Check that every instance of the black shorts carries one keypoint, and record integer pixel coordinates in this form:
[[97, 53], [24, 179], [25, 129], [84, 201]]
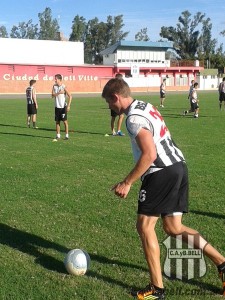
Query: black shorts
[[113, 113], [31, 109], [165, 191], [194, 106], [60, 114], [222, 97], [162, 95]]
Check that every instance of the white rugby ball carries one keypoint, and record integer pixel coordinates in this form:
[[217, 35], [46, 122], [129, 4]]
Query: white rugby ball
[[77, 262]]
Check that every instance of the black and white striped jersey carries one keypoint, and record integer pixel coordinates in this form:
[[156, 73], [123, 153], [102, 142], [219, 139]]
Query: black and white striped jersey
[[29, 95], [145, 115]]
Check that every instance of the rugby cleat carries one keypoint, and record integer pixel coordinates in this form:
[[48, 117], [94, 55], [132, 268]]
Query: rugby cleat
[[149, 293]]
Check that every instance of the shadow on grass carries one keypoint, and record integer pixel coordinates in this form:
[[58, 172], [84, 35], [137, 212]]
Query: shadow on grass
[[17, 126], [192, 287], [46, 129], [10, 125], [33, 245], [30, 243], [181, 116], [87, 132], [24, 134], [104, 260], [209, 214]]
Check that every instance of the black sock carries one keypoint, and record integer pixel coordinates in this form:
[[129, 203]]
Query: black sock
[[221, 267], [158, 289]]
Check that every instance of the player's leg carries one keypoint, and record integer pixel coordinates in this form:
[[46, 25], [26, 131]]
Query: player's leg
[[173, 226], [57, 123], [146, 231], [113, 118], [162, 99], [220, 101], [28, 120], [66, 125], [119, 124], [34, 118]]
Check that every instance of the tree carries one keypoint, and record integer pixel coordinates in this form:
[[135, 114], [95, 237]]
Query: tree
[[217, 59], [49, 28], [207, 44], [90, 44], [97, 35], [78, 29], [25, 31], [222, 33], [3, 32], [191, 37], [117, 33], [142, 35]]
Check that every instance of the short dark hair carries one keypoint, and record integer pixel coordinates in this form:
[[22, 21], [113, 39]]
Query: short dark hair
[[119, 75], [32, 82], [116, 86], [195, 84], [58, 76]]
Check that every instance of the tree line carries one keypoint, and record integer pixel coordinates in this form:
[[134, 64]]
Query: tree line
[[191, 37]]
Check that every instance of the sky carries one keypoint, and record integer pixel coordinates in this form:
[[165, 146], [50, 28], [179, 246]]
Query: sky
[[137, 14]]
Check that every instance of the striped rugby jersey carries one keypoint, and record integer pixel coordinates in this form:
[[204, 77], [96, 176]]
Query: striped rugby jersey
[[29, 95], [145, 115]]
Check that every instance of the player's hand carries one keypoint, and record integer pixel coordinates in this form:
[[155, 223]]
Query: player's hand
[[68, 108], [121, 189]]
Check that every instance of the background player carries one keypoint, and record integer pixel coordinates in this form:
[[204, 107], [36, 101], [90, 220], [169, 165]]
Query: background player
[[32, 105], [59, 92], [162, 92], [189, 98], [114, 115], [222, 93]]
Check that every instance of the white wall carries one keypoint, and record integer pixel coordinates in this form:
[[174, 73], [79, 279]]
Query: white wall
[[143, 81], [39, 52], [208, 83], [108, 59], [124, 58]]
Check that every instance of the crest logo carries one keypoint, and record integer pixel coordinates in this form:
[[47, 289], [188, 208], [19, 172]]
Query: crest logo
[[184, 257]]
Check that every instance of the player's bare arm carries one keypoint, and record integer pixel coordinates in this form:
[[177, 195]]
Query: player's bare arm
[[34, 97], [69, 98], [148, 154]]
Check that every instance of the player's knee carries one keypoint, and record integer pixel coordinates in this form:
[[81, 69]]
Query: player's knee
[[172, 230]]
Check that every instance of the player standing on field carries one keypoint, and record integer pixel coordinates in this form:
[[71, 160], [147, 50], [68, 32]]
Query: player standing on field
[[59, 92], [114, 115], [32, 105], [189, 98], [222, 93], [162, 92], [194, 100]]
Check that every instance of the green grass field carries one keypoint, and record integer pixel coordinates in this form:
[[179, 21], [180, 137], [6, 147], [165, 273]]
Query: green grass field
[[56, 197]]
